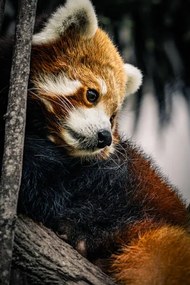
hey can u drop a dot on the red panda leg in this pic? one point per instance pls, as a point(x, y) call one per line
point(159, 257)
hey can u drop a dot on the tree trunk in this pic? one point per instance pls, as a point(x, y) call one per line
point(41, 257)
point(14, 133)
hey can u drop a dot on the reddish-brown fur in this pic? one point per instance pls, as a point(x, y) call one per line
point(156, 250)
point(153, 251)
point(162, 199)
point(159, 256)
point(85, 60)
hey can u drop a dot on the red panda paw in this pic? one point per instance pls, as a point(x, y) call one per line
point(72, 234)
point(159, 257)
point(81, 247)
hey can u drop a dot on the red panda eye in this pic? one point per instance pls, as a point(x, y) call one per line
point(92, 95)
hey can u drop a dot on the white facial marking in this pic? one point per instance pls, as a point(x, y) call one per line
point(134, 78)
point(70, 140)
point(76, 146)
point(59, 85)
point(74, 12)
point(86, 153)
point(88, 122)
point(103, 86)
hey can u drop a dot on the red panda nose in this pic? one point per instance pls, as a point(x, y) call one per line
point(104, 138)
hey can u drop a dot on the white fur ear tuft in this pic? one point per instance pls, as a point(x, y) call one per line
point(78, 14)
point(134, 78)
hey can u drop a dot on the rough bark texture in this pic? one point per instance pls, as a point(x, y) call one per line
point(40, 257)
point(14, 134)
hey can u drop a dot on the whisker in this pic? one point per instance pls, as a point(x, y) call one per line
point(63, 100)
point(63, 105)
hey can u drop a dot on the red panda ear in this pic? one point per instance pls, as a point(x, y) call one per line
point(134, 78)
point(79, 15)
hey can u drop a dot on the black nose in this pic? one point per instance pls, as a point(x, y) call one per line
point(104, 138)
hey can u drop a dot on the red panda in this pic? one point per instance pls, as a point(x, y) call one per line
point(83, 67)
point(104, 196)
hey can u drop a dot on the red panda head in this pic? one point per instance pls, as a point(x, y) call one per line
point(81, 80)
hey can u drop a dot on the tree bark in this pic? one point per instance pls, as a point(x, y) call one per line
point(14, 134)
point(41, 257)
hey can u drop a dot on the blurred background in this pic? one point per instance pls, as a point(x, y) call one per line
point(154, 35)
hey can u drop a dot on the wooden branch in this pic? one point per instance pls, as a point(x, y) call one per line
point(44, 258)
point(14, 134)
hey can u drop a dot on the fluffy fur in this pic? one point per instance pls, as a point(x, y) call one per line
point(107, 200)
point(134, 78)
point(78, 14)
point(161, 255)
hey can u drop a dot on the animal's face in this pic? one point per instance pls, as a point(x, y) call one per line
point(81, 79)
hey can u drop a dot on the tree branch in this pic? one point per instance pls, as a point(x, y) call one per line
point(44, 258)
point(14, 134)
